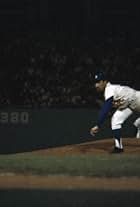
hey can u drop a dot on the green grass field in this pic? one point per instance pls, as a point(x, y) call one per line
point(82, 165)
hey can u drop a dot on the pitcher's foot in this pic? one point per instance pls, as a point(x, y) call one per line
point(117, 150)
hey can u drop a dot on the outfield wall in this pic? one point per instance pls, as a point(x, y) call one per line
point(25, 130)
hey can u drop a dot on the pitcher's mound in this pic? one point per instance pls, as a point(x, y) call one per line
point(131, 146)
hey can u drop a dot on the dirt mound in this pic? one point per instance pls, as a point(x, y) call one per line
point(131, 146)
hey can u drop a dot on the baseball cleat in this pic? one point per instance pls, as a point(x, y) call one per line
point(117, 150)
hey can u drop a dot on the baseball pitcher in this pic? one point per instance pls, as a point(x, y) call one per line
point(126, 100)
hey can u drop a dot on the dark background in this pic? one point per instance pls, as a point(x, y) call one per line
point(82, 16)
point(49, 48)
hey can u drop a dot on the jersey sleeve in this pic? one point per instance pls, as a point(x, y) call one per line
point(104, 111)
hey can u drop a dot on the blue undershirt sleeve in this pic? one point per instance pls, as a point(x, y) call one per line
point(104, 111)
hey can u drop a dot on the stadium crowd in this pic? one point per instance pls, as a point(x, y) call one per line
point(43, 71)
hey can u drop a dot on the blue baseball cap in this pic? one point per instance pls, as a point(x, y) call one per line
point(99, 76)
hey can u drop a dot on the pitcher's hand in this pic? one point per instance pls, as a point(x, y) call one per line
point(94, 130)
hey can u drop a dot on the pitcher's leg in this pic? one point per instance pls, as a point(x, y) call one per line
point(118, 118)
point(137, 125)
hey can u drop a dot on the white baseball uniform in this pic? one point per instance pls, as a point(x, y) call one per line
point(130, 99)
